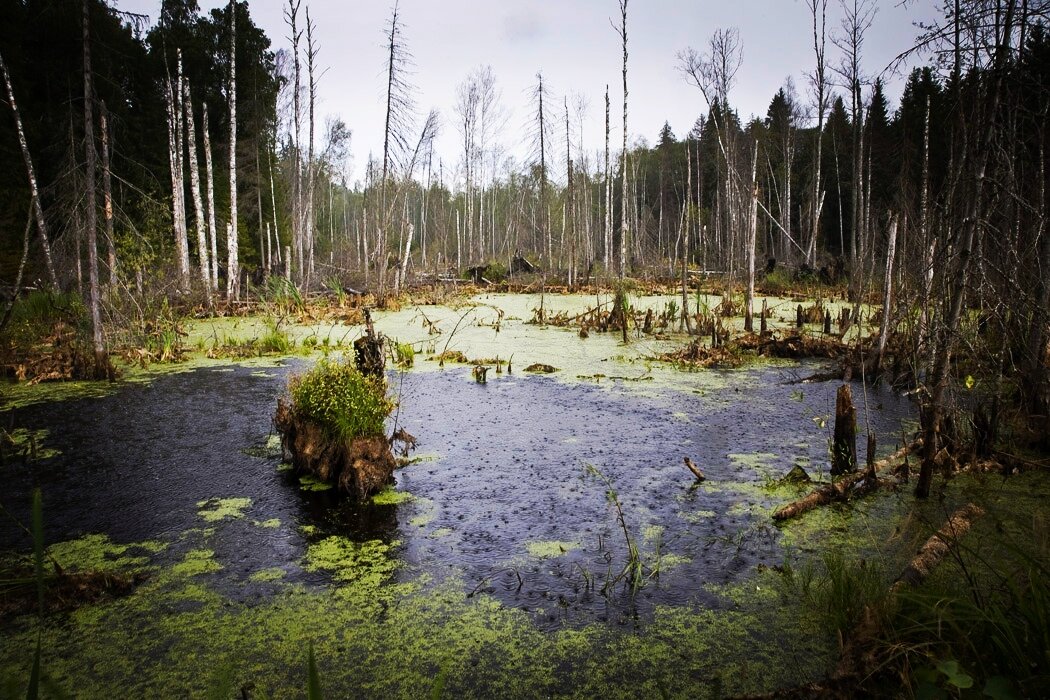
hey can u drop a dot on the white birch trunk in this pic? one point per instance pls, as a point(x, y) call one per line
point(233, 277)
point(212, 230)
point(195, 189)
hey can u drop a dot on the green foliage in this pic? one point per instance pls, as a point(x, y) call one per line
point(779, 281)
point(275, 340)
point(496, 272)
point(313, 678)
point(840, 591)
point(282, 293)
point(404, 355)
point(337, 396)
point(39, 314)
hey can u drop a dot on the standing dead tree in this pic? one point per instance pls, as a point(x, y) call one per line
point(38, 211)
point(818, 80)
point(400, 108)
point(233, 274)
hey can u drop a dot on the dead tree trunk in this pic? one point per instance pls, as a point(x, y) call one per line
point(178, 215)
point(233, 276)
point(887, 293)
point(38, 211)
point(752, 232)
point(101, 361)
point(623, 178)
point(844, 443)
point(107, 196)
point(195, 188)
point(212, 231)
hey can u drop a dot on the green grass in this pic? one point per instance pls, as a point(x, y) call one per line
point(338, 397)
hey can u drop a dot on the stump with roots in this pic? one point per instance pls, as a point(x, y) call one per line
point(358, 467)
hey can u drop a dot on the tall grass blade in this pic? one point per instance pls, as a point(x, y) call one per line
point(313, 679)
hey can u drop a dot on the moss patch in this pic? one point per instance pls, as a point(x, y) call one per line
point(30, 444)
point(195, 563)
point(549, 549)
point(391, 497)
point(309, 482)
point(268, 575)
point(216, 509)
point(348, 561)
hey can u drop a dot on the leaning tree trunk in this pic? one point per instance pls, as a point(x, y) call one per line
point(38, 211)
point(887, 294)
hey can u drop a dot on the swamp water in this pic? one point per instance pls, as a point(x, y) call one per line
point(490, 569)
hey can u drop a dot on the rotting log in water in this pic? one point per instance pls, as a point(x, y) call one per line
point(695, 469)
point(844, 444)
point(359, 467)
point(841, 489)
point(938, 546)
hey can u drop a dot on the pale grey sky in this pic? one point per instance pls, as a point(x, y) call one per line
point(574, 44)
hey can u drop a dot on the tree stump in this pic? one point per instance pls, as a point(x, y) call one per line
point(844, 444)
point(368, 351)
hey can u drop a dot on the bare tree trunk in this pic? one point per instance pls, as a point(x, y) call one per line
point(291, 16)
point(195, 189)
point(623, 182)
point(178, 221)
point(608, 191)
point(107, 196)
point(233, 275)
point(273, 205)
point(212, 231)
point(887, 293)
point(752, 233)
point(90, 207)
point(21, 270)
point(311, 172)
point(38, 211)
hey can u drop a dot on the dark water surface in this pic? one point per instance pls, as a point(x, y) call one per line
point(502, 481)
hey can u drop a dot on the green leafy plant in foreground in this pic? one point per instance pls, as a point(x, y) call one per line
point(337, 396)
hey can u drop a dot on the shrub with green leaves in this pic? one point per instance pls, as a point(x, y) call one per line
point(337, 396)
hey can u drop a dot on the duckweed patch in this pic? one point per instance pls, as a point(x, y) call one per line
point(195, 563)
point(268, 575)
point(550, 549)
point(272, 523)
point(29, 444)
point(309, 482)
point(98, 553)
point(216, 509)
point(369, 563)
point(392, 497)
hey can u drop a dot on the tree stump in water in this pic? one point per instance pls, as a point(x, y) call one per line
point(800, 317)
point(844, 444)
point(359, 467)
point(368, 351)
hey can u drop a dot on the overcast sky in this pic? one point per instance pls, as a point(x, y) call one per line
point(574, 44)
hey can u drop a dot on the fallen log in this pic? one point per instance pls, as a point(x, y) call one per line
point(839, 490)
point(938, 547)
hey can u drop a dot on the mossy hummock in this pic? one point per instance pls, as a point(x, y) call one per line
point(332, 428)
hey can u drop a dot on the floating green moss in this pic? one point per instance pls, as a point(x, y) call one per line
point(549, 549)
point(197, 562)
point(216, 509)
point(32, 444)
point(272, 523)
point(268, 575)
point(98, 553)
point(309, 482)
point(391, 497)
point(368, 563)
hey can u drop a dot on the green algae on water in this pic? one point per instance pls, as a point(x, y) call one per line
point(97, 553)
point(30, 443)
point(549, 549)
point(272, 523)
point(216, 509)
point(268, 575)
point(369, 562)
point(197, 562)
point(309, 482)
point(391, 497)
